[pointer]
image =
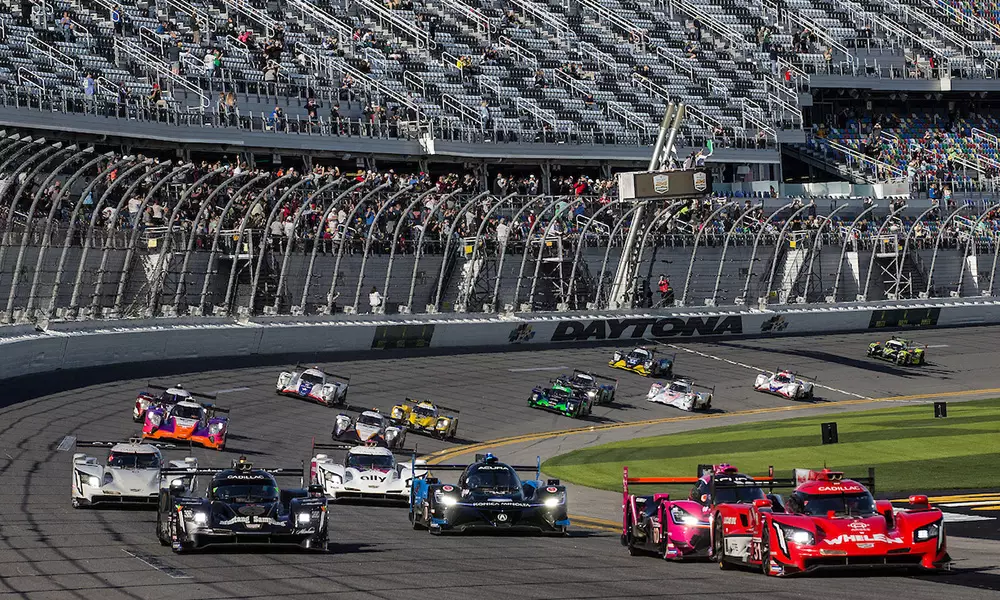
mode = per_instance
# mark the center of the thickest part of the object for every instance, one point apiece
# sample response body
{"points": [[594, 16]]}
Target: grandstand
{"points": [[247, 157]]}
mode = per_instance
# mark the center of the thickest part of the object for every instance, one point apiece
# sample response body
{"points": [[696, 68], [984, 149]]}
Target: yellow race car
{"points": [[425, 417], [643, 361]]}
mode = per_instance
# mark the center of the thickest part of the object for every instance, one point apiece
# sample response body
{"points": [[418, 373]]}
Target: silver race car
{"points": [[130, 475], [681, 394], [313, 384], [370, 427], [785, 384], [366, 473]]}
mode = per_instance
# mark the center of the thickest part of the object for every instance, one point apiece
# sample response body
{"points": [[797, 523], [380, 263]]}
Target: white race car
{"points": [[131, 474], [680, 393], [313, 384], [784, 384], [371, 427], [367, 472]]}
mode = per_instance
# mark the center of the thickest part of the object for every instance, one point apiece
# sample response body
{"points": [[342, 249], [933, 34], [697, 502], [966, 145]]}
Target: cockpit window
{"points": [[310, 378], [134, 460], [782, 378], [372, 420], [679, 386], [364, 462], [186, 412], [249, 493], [494, 477], [424, 411]]}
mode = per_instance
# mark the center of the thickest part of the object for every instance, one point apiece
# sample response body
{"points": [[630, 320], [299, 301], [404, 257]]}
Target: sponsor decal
{"points": [[402, 336], [502, 518], [613, 329], [661, 184], [372, 477], [504, 507], [729, 521], [256, 477], [252, 510], [551, 489], [251, 520], [904, 317], [858, 526], [522, 333], [774, 324], [448, 488], [840, 488], [700, 181], [847, 538]]}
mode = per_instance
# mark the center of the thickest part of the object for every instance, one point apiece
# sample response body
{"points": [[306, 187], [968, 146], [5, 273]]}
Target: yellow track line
{"points": [[442, 455]]}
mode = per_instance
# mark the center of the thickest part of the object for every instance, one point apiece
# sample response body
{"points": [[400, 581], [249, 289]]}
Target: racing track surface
{"points": [[49, 550]]}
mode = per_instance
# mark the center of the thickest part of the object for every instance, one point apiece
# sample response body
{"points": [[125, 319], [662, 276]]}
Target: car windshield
{"points": [[245, 492], [168, 398], [424, 411], [370, 461], [895, 345], [134, 460], [678, 386], [640, 354], [738, 495], [372, 420], [494, 477], [310, 378], [782, 378], [186, 412], [581, 379], [840, 504]]}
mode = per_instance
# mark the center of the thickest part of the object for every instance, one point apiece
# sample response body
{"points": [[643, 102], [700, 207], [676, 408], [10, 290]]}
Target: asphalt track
{"points": [[49, 550]]}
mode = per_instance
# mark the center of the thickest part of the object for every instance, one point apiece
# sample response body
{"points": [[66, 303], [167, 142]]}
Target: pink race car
{"points": [[680, 529]]}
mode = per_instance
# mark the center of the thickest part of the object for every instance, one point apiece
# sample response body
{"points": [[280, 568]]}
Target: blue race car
{"points": [[643, 361], [488, 496]]}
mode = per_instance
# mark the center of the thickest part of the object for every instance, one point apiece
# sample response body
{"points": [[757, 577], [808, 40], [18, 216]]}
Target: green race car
{"points": [[901, 352], [574, 396]]}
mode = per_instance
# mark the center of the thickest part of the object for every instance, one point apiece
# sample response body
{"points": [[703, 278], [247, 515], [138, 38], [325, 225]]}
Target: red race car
{"points": [[827, 522], [679, 529]]}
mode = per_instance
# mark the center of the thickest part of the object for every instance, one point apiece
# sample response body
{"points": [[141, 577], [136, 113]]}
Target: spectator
{"points": [[195, 28], [26, 7], [89, 87], [66, 26], [118, 20], [375, 300], [209, 63], [666, 292], [174, 57]]}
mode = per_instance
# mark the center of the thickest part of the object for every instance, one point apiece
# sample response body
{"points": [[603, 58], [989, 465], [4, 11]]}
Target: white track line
{"points": [[527, 369], [66, 443], [154, 562], [230, 390], [758, 369]]}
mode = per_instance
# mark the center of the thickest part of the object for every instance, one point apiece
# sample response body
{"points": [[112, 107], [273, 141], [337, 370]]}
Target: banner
{"points": [[904, 317], [402, 336], [614, 329]]}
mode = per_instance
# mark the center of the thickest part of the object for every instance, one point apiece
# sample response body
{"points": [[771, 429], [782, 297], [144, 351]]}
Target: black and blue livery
{"points": [[489, 496]]}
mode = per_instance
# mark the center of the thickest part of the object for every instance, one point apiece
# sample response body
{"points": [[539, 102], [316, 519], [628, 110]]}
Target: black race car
{"points": [[244, 506], [489, 496]]}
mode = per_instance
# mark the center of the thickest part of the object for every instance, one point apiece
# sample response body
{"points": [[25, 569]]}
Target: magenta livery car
{"points": [[679, 529], [187, 421]]}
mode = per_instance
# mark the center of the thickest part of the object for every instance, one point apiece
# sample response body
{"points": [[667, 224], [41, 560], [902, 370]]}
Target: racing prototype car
{"points": [[559, 399], [585, 383], [677, 529], [313, 384], [168, 397], [370, 426], [367, 472], [488, 496], [681, 394], [643, 361], [899, 351], [130, 475], [425, 417], [828, 521], [197, 423], [785, 384], [244, 506]]}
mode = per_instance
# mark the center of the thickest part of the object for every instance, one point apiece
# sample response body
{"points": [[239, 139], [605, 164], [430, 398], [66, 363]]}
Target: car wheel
{"points": [[765, 551], [900, 359], [719, 544], [871, 351], [417, 525], [632, 550]]}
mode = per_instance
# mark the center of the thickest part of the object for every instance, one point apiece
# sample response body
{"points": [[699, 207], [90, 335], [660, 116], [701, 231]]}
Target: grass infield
{"points": [[909, 448]]}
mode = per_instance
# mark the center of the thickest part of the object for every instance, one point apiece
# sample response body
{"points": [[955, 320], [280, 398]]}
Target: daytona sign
{"points": [[613, 329]]}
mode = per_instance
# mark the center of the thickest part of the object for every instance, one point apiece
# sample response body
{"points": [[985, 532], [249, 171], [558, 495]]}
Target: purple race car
{"points": [[187, 421]]}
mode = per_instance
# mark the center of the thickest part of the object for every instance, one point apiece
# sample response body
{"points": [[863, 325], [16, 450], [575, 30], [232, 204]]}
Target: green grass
{"points": [[909, 448]]}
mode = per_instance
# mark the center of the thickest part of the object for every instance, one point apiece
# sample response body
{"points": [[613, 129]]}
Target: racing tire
{"points": [[765, 552], [871, 351], [417, 525], [719, 544], [900, 359]]}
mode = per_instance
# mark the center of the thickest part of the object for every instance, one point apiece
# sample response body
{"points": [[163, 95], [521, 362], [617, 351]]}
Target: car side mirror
{"points": [[315, 489], [919, 501], [552, 482], [761, 503]]}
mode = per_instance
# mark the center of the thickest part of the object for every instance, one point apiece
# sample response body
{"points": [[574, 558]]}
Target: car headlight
{"points": [[928, 532], [794, 535], [534, 396], [553, 502], [154, 418], [397, 413], [215, 428], [93, 481], [648, 363], [304, 518], [391, 434], [592, 394], [177, 483], [200, 518], [449, 500], [443, 423], [683, 517]]}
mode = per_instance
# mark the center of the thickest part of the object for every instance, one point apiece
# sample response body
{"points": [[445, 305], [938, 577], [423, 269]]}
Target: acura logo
{"points": [[858, 525], [502, 517]]}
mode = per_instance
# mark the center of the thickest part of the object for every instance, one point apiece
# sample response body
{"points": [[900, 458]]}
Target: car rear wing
{"points": [[157, 386], [787, 483], [702, 471], [213, 408], [436, 405], [131, 441], [597, 376], [796, 375], [331, 446], [299, 367], [537, 467]]}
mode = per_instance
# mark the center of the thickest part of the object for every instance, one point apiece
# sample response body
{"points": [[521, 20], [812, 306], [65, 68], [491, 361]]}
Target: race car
{"points": [[785, 384], [488, 496], [681, 394], [367, 472], [560, 400], [130, 475], [585, 383], [829, 521], [677, 529], [643, 361], [244, 506], [370, 426], [313, 384], [899, 351], [194, 422], [425, 417], [167, 397]]}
